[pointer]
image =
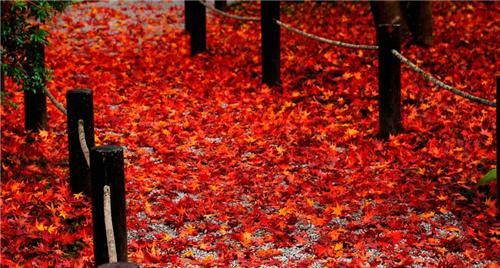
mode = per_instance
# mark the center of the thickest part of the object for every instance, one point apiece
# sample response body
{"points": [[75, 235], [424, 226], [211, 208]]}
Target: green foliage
{"points": [[489, 177], [23, 40]]}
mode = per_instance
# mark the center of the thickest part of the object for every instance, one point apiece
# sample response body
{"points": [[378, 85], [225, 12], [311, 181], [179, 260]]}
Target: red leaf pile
{"points": [[222, 170]]}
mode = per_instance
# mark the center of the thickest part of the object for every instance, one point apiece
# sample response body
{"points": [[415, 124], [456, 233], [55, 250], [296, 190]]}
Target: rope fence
{"points": [[108, 223], [324, 40], [81, 106], [54, 101], [430, 78], [389, 62], [427, 76], [83, 142], [229, 15]]}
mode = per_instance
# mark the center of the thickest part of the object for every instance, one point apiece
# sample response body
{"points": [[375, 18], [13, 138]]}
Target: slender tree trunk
{"points": [[35, 101]]}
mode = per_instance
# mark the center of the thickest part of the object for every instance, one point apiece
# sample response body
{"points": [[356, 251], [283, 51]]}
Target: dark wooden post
{"points": [[188, 14], [80, 106], [198, 28], [498, 143], [106, 164], [389, 82], [220, 4], [35, 101], [270, 11]]}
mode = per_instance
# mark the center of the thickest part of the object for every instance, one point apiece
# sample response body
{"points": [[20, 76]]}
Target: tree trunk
{"points": [[35, 101], [419, 19], [415, 18]]}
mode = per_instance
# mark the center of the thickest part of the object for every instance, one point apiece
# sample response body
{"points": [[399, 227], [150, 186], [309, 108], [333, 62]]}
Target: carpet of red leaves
{"points": [[222, 170]]}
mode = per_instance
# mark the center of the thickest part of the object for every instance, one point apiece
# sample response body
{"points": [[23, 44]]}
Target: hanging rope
{"points": [[58, 105], [108, 223], [434, 80], [229, 15], [83, 142], [325, 40]]}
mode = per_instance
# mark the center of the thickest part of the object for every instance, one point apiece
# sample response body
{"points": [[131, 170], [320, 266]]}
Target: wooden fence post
{"points": [[389, 80], [220, 4], [270, 11], [197, 28], [106, 164], [35, 101], [80, 106], [188, 14]]}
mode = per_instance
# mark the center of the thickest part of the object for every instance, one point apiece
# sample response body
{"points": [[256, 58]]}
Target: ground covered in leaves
{"points": [[222, 170]]}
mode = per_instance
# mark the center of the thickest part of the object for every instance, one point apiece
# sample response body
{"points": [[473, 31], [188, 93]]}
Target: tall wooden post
{"points": [[80, 106], [106, 164], [188, 14], [35, 101], [389, 80], [198, 28], [220, 4], [270, 11]]}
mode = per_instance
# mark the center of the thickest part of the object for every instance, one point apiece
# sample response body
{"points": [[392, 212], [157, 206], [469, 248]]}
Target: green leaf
{"points": [[489, 177], [20, 4], [21, 39]]}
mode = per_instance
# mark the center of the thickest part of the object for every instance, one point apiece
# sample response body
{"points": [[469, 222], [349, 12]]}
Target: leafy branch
{"points": [[23, 40]]}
